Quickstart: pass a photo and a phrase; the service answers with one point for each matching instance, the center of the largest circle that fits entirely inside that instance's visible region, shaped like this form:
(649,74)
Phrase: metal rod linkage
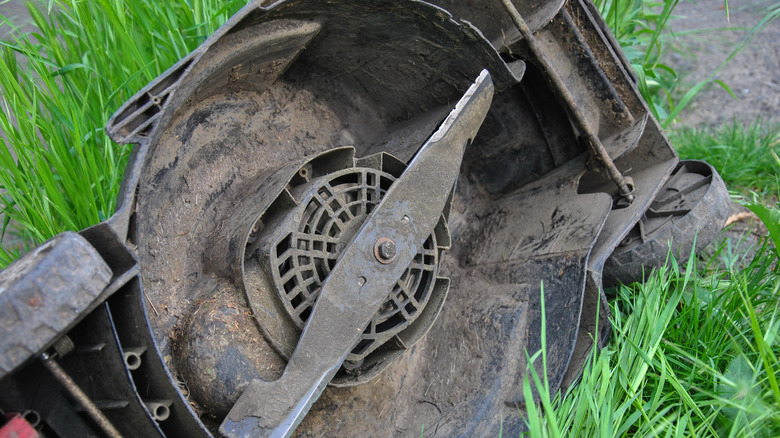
(67,382)
(626,191)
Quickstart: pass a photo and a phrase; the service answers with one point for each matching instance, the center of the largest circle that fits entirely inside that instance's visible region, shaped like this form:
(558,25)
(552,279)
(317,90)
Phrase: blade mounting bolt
(385,250)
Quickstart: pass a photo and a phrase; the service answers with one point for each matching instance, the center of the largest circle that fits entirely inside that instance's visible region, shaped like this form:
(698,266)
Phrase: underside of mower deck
(350,219)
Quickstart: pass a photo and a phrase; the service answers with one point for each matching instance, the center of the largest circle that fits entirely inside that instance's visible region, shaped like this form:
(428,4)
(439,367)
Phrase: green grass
(742,153)
(641,27)
(59,85)
(690,356)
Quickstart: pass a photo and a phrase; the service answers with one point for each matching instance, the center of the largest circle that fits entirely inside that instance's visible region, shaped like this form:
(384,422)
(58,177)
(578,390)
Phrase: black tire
(44,293)
(691,207)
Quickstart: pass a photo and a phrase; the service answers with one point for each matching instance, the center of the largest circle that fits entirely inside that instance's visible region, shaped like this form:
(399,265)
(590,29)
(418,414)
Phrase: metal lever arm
(360,283)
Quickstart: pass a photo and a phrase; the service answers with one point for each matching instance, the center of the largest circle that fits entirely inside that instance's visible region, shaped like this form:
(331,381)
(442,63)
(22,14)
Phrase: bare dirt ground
(753,74)
(16,13)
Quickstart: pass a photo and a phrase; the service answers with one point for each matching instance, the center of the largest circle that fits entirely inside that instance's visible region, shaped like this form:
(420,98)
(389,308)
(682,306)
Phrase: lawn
(694,348)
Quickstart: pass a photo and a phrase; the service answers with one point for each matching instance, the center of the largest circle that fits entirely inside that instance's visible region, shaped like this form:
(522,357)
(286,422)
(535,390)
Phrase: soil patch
(753,74)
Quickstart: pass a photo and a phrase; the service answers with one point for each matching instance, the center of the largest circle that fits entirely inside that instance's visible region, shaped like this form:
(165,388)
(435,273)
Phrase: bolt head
(385,250)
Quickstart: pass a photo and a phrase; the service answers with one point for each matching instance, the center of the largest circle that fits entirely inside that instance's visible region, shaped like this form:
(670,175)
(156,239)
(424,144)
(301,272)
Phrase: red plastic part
(17,427)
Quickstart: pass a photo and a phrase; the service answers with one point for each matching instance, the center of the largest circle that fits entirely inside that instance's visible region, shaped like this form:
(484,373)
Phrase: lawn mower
(355,218)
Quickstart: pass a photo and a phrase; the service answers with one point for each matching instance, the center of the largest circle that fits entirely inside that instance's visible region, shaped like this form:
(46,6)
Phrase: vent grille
(335,208)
